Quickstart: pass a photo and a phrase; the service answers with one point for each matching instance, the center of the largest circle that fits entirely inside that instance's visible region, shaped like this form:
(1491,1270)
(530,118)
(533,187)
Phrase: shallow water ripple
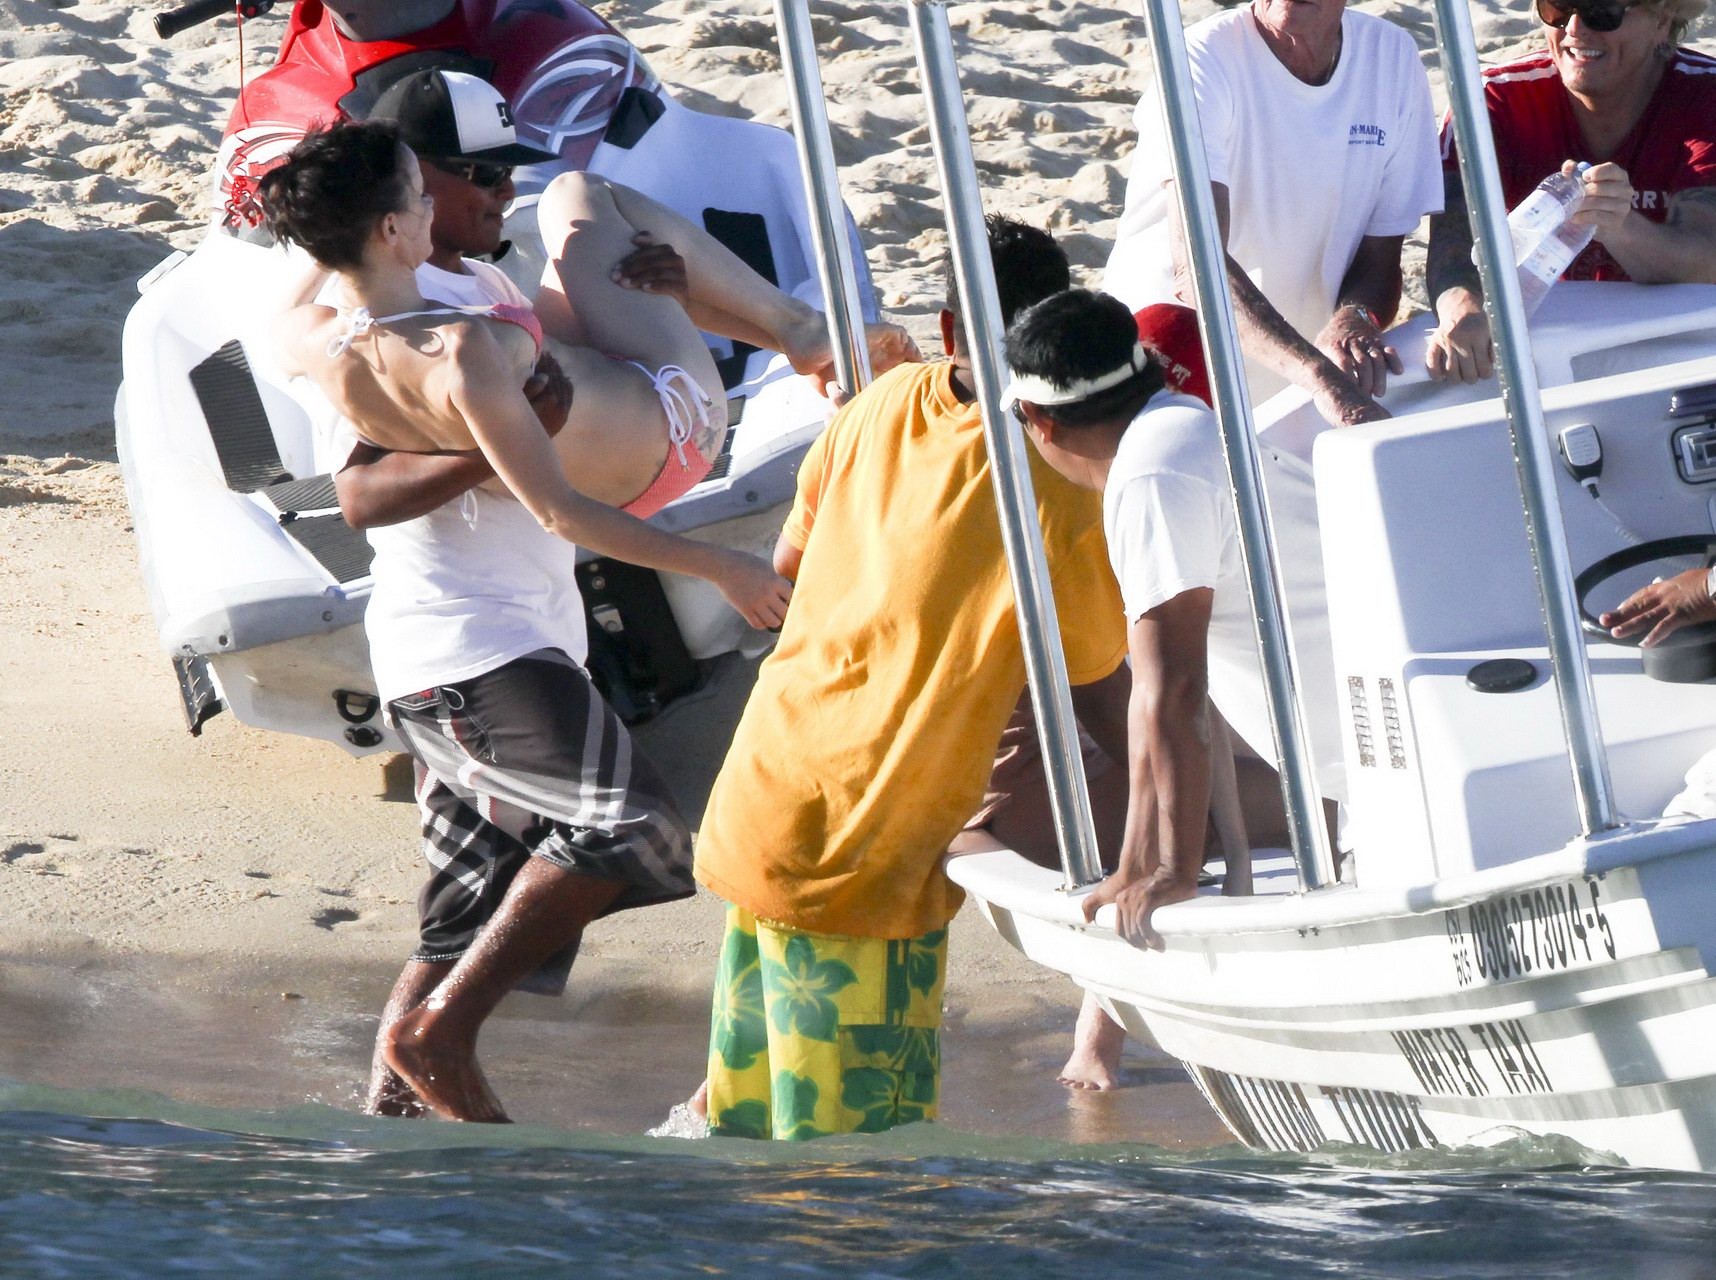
(83,1197)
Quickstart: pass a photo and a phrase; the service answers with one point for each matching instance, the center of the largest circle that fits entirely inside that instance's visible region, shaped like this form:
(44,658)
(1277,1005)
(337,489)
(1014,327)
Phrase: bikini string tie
(686,406)
(358,323)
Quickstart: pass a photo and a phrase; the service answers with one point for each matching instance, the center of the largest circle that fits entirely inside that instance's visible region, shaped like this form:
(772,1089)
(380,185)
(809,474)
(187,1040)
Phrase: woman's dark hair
(333,188)
(1075,336)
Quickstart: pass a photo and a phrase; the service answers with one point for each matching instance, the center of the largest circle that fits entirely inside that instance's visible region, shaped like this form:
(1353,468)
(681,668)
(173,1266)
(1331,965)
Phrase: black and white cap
(453,115)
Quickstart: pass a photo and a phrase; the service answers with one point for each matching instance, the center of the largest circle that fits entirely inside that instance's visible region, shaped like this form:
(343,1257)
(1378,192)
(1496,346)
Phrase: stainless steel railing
(822,192)
(1311,850)
(1592,791)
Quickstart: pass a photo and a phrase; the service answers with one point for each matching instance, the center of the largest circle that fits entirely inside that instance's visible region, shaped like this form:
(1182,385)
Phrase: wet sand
(159,895)
(613,1056)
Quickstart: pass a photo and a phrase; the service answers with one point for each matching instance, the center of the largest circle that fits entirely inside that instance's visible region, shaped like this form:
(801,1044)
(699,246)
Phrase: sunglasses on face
(1599,17)
(477,173)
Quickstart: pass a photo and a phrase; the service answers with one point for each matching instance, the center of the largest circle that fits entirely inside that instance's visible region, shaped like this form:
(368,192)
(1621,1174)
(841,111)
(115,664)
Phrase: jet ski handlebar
(172,21)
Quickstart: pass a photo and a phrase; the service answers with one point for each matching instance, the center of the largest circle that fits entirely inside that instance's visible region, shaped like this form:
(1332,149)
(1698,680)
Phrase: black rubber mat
(337,547)
(238,423)
(724,460)
(315,493)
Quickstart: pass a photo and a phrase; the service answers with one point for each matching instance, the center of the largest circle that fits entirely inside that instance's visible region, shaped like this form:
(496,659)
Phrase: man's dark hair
(333,188)
(1029,266)
(1077,335)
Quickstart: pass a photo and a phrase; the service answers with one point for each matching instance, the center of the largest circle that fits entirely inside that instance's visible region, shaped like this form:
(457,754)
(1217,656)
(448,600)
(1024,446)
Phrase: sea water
(126,1185)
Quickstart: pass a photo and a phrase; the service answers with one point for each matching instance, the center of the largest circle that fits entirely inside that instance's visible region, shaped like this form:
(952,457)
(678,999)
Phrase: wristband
(1367,313)
(1710,584)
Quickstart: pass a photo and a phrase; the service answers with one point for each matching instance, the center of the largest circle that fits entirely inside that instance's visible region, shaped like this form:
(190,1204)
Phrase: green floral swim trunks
(815,1034)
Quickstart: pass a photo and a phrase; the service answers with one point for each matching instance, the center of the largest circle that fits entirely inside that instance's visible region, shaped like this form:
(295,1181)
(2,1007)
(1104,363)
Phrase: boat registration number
(1558,926)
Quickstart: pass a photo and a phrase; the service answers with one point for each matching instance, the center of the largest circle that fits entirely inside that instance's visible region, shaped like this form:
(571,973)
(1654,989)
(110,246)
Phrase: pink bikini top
(359,322)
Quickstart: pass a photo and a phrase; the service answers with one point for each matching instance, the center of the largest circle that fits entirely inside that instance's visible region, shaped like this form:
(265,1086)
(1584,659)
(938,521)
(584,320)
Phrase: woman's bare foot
(441,1073)
(698,1103)
(1097,1042)
(807,346)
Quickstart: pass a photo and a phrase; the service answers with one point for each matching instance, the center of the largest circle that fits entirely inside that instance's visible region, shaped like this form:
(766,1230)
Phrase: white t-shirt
(477,582)
(1310,170)
(1168,513)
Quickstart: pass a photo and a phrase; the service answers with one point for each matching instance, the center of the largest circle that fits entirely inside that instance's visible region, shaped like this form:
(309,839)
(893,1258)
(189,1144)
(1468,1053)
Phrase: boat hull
(1572,1002)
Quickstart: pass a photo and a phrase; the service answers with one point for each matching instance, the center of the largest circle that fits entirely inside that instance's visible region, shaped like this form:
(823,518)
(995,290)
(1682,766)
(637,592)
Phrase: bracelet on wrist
(1366,312)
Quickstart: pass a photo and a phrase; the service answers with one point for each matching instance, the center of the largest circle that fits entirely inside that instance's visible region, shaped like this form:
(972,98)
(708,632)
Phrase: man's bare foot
(1097,1042)
(388,1095)
(443,1075)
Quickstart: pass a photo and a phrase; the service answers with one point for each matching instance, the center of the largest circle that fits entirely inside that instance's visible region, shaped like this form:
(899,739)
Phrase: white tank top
(476,582)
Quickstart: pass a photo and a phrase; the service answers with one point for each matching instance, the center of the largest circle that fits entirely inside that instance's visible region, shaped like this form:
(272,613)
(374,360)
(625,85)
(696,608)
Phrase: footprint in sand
(328,917)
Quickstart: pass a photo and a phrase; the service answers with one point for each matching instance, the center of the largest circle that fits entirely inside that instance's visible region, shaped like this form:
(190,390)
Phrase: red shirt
(1671,148)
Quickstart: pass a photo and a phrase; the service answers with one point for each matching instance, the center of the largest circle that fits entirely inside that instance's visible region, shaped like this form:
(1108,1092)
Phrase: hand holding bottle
(1608,199)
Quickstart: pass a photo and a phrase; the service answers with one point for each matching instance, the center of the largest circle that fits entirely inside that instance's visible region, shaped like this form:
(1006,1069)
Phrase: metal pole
(1310,837)
(1009,461)
(1592,791)
(822,193)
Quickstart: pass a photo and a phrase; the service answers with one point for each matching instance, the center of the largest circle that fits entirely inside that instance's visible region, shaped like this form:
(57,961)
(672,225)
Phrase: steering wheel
(1686,657)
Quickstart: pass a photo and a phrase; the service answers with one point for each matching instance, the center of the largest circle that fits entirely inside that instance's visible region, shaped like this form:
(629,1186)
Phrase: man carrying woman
(577,823)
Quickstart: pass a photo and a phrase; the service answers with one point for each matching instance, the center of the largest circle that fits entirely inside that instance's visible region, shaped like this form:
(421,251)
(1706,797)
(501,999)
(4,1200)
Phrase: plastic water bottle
(1544,267)
(1537,216)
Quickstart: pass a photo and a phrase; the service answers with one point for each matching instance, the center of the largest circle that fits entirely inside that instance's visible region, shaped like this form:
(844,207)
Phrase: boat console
(1453,765)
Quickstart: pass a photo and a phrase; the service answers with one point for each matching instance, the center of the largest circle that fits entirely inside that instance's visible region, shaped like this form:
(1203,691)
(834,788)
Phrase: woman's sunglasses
(1599,17)
(478,174)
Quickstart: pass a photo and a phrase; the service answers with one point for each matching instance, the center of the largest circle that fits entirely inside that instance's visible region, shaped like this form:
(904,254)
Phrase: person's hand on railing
(1135,902)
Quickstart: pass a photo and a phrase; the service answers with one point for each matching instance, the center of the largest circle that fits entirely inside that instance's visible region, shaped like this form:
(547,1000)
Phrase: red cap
(1171,332)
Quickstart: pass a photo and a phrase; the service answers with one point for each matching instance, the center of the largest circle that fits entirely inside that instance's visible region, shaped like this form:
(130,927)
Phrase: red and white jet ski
(257,585)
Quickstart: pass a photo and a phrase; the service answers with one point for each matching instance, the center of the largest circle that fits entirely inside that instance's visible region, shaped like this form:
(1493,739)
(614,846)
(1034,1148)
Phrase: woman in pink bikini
(648,410)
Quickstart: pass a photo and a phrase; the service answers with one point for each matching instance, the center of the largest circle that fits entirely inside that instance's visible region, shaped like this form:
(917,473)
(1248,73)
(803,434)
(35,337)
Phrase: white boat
(1514,955)
(257,585)
(1490,972)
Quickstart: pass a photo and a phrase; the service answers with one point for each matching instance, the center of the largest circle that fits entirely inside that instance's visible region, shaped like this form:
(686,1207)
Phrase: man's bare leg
(387,1094)
(1227,812)
(1097,1042)
(433,1046)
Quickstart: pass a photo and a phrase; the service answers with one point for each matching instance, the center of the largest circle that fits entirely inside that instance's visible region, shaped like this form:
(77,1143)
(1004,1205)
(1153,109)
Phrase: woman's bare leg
(724,295)
(582,305)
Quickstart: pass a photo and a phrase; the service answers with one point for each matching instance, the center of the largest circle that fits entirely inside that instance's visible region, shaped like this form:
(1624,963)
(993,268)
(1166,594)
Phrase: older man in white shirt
(1322,153)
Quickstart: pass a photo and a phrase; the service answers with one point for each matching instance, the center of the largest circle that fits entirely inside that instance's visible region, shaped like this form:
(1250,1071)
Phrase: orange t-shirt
(867,741)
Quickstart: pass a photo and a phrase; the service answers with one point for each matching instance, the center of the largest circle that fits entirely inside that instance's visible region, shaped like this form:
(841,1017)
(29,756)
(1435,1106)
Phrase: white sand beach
(219,917)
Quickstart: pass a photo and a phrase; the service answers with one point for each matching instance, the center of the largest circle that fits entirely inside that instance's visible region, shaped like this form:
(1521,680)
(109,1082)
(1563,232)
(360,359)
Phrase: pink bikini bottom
(687,409)
(677,477)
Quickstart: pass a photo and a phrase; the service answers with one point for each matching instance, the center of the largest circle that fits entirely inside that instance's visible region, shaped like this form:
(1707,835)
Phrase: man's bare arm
(1271,341)
(1681,249)
(1103,711)
(1461,348)
(1368,299)
(1168,766)
(378,487)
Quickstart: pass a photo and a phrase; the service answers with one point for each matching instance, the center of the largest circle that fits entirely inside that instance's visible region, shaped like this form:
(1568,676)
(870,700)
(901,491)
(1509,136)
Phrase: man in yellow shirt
(868,739)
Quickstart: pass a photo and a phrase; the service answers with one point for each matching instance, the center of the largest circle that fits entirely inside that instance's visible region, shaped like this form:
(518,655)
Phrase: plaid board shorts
(528,761)
(813,1034)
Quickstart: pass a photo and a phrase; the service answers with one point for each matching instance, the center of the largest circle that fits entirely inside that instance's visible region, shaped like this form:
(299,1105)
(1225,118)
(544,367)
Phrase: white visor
(1035,390)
